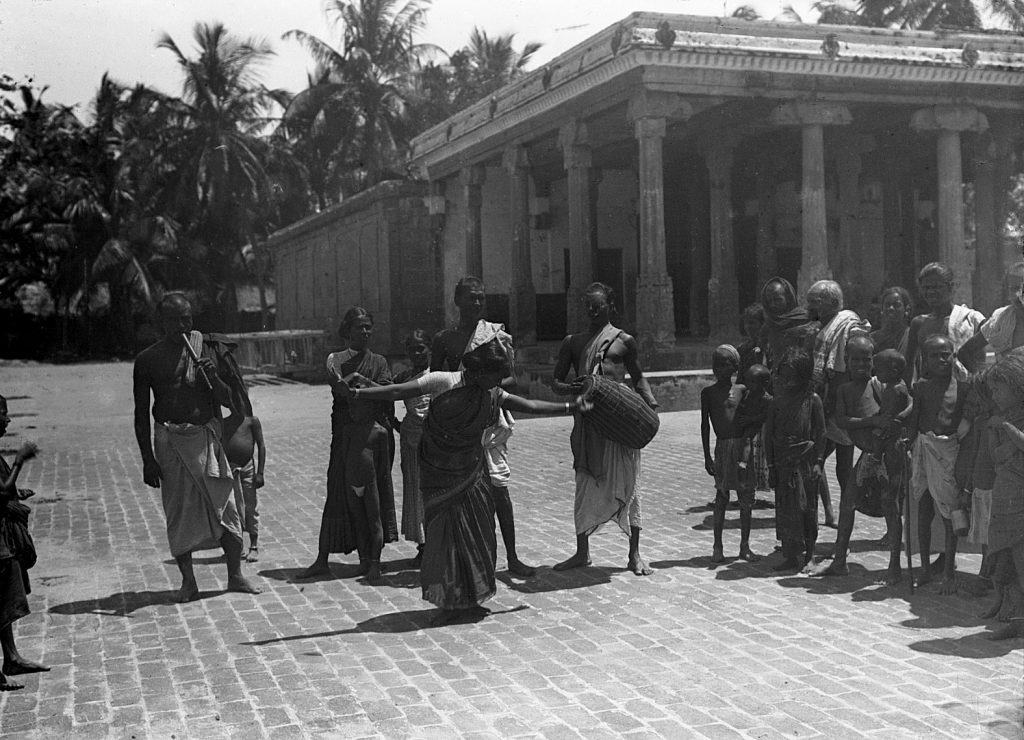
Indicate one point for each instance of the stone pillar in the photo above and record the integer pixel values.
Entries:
(766, 261)
(812, 119)
(723, 296)
(472, 179)
(573, 138)
(948, 121)
(655, 312)
(988, 266)
(522, 301)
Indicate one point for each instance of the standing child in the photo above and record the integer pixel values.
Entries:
(242, 433)
(865, 406)
(417, 347)
(17, 555)
(718, 405)
(1005, 382)
(794, 437)
(934, 430)
(750, 417)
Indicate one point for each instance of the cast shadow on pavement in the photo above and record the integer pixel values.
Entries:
(337, 571)
(733, 522)
(123, 604)
(731, 569)
(548, 579)
(393, 623)
(975, 645)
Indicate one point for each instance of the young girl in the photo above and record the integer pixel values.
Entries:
(794, 438)
(17, 555)
(1005, 382)
(417, 347)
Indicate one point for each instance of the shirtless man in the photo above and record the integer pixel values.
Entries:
(934, 430)
(446, 353)
(200, 508)
(603, 350)
(960, 323)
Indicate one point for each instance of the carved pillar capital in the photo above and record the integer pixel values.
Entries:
(515, 158)
(802, 113)
(949, 118)
(574, 139)
(652, 104)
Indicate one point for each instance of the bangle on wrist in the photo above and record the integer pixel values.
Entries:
(568, 406)
(355, 393)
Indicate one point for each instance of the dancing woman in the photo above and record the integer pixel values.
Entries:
(457, 573)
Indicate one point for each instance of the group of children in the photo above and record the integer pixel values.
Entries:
(951, 444)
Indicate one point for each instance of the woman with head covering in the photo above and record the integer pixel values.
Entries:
(359, 513)
(786, 323)
(457, 571)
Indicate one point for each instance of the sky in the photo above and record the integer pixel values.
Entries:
(68, 44)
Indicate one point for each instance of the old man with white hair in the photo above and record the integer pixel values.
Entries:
(838, 325)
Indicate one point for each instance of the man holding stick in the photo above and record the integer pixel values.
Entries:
(184, 457)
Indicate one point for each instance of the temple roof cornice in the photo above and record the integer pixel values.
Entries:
(729, 57)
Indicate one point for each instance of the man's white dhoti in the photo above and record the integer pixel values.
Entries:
(197, 486)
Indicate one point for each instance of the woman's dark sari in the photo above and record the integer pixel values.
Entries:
(362, 451)
(460, 549)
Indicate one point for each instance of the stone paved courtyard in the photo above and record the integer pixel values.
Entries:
(693, 651)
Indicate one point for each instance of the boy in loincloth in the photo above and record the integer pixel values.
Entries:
(718, 405)
(243, 434)
(871, 410)
(934, 431)
(957, 322)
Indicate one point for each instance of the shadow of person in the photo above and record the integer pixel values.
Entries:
(208, 560)
(975, 645)
(393, 623)
(733, 522)
(336, 571)
(859, 578)
(548, 579)
(730, 569)
(122, 604)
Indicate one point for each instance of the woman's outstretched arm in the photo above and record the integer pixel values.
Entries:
(546, 408)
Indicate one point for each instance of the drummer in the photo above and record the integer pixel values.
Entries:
(607, 473)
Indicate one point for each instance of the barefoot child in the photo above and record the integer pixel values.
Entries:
(934, 431)
(242, 434)
(1005, 382)
(794, 437)
(17, 555)
(417, 347)
(718, 404)
(749, 420)
(865, 406)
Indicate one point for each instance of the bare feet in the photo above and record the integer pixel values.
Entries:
(639, 567)
(20, 666)
(364, 568)
(189, 591)
(450, 616)
(893, 576)
(520, 569)
(243, 585)
(1008, 632)
(787, 564)
(717, 556)
(923, 580)
(948, 586)
(576, 561)
(318, 568)
(749, 555)
(417, 561)
(831, 524)
(373, 572)
(6, 685)
(828, 568)
(253, 556)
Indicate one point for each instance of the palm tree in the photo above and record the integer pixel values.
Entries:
(371, 68)
(925, 15)
(217, 145)
(494, 61)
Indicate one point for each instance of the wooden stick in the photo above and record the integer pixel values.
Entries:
(907, 503)
(195, 359)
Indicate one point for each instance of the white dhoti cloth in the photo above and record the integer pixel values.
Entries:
(931, 470)
(197, 486)
(981, 515)
(615, 496)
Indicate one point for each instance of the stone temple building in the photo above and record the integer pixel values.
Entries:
(684, 160)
